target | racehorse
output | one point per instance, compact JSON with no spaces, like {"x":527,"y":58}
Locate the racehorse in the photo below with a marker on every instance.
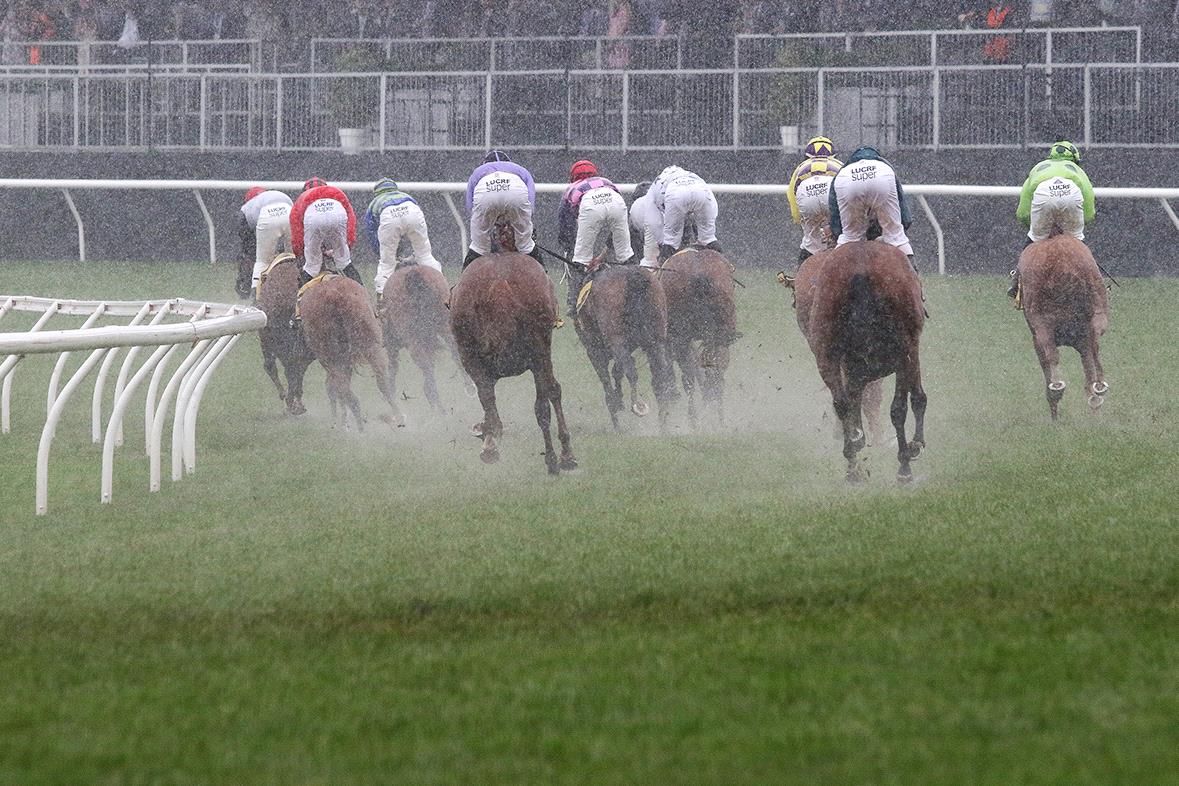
{"x":343,"y":332}
{"x":502,"y":312}
{"x":700,"y":308}
{"x":280,"y":340}
{"x":414,"y":317}
{"x":624,"y":310}
{"x":803,"y":284}
{"x":1065,"y":304}
{"x":865,"y":323}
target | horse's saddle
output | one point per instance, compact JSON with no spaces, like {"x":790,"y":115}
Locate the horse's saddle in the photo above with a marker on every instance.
{"x":310,"y":285}
{"x":278,"y":260}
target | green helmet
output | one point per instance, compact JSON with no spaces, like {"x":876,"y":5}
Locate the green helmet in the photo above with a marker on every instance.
{"x":1065,"y":151}
{"x":385,"y":184}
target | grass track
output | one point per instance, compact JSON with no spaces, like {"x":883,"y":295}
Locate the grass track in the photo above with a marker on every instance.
{"x":321,"y":607}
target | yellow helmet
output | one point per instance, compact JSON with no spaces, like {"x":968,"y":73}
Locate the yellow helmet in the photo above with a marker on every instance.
{"x":820,"y":147}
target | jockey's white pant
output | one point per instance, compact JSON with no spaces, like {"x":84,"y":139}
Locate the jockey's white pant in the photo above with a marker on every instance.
{"x":602,"y":210}
{"x":1057,"y":207}
{"x":681,"y":204}
{"x":645,"y":218}
{"x":398,"y":221}
{"x":865,"y":190}
{"x":274,"y":226}
{"x":501,"y":195}
{"x":325,"y":227}
{"x":811,"y":197}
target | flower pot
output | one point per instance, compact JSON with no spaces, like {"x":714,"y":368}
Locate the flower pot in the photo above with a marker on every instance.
{"x":353,"y":139}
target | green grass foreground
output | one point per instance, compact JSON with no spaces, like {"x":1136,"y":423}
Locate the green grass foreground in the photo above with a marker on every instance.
{"x":323,"y":607}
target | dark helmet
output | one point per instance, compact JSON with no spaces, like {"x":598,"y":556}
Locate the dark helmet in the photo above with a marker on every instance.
{"x":385,"y":184}
{"x":495,"y":155}
{"x":866,"y":152}
{"x":314,"y":182}
{"x":641,"y":189}
{"x":581,"y":170}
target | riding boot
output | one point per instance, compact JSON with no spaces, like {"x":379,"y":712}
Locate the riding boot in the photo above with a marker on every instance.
{"x":714,"y":246}
{"x":472,"y":255}
{"x":535,"y":254}
{"x":633,"y":259}
{"x":576,"y":281}
{"x":665,"y":253}
{"x":351,"y":272}
{"x":304,"y":278}
{"x":803,"y":256}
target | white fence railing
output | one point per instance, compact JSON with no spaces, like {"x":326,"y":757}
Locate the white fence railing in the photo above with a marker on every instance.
{"x":211,"y":330}
{"x":919,"y":192}
{"x":235,"y":53}
{"x":914,"y":107}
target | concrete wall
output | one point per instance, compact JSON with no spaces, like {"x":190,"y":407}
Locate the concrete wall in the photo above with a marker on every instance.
{"x":1130,"y":238}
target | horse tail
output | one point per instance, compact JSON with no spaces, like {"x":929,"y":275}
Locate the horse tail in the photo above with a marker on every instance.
{"x":868,"y":334}
{"x":639,"y":307}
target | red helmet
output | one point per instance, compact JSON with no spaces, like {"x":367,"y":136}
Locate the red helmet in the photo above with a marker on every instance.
{"x":581,"y":170}
{"x":253,"y":192}
{"x":314,"y":182}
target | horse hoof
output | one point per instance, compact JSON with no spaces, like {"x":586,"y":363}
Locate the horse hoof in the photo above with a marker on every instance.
{"x":858,"y":473}
{"x":915,"y":449}
{"x":1095,"y":402}
{"x":296,"y":409}
{"x":904,"y":478}
{"x":641,"y":408}
{"x":568,"y":464}
{"x":1058,"y":386}
{"x":489,"y":456}
{"x":1100,"y":388}
{"x":395,"y":420}
{"x":553,"y":469}
{"x":477,"y":431}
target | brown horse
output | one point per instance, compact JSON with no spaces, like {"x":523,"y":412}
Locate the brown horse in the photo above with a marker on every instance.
{"x":343,"y":332}
{"x":865,"y":323}
{"x":414,"y":316}
{"x":803,"y":286}
{"x":700,"y":308}
{"x":502,"y":312}
{"x":1065,"y":304}
{"x":279,"y":339}
{"x":626,"y":310}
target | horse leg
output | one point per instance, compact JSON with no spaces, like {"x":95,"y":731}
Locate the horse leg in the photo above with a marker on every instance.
{"x":847,"y":412}
{"x":662,"y":381}
{"x":1049,"y":355}
{"x":600,"y":360}
{"x":543,"y":411}
{"x":270,"y":364}
{"x":423,"y":356}
{"x":492,"y":426}
{"x":918,"y":400}
{"x":690,"y":374}
{"x":873,"y":399}
{"x":378,"y":360}
{"x":626,"y":358}
{"x":567,"y":462}
{"x":1095,"y":384}
{"x":295,"y":368}
{"x":715,"y":363}
{"x":468,"y":385}
{"x":899,"y":411}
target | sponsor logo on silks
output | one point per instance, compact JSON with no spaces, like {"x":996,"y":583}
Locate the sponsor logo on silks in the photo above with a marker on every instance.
{"x":814,"y":189}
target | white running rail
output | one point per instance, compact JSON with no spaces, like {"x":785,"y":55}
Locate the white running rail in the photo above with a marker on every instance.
{"x":449,"y":190}
{"x":210,"y":332}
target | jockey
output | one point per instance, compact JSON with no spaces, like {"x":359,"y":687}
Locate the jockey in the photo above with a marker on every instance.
{"x":322,"y":219}
{"x":391,"y":215}
{"x":679,"y":195}
{"x":500,"y":189}
{"x":591,"y":205}
{"x":265,"y":224}
{"x":646,"y":225}
{"x":867,"y":191}
{"x":1057,"y":198}
{"x":809,"y":186}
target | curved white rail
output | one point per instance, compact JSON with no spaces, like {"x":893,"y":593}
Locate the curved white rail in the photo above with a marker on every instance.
{"x":211,"y":325}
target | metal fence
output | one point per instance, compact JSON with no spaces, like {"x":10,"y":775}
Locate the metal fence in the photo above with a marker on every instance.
{"x":331,"y":55}
{"x":234,"y":54}
{"x":1076,"y":45}
{"x":909,"y":107}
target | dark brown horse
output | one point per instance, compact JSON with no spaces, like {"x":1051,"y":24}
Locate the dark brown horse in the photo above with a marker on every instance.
{"x":865,"y":323}
{"x":343,"y":332}
{"x":803,"y":286}
{"x":1065,"y":304}
{"x":414,"y":316}
{"x":502,"y":312}
{"x":279,"y":339}
{"x":626,"y":310}
{"x":701,"y":322}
